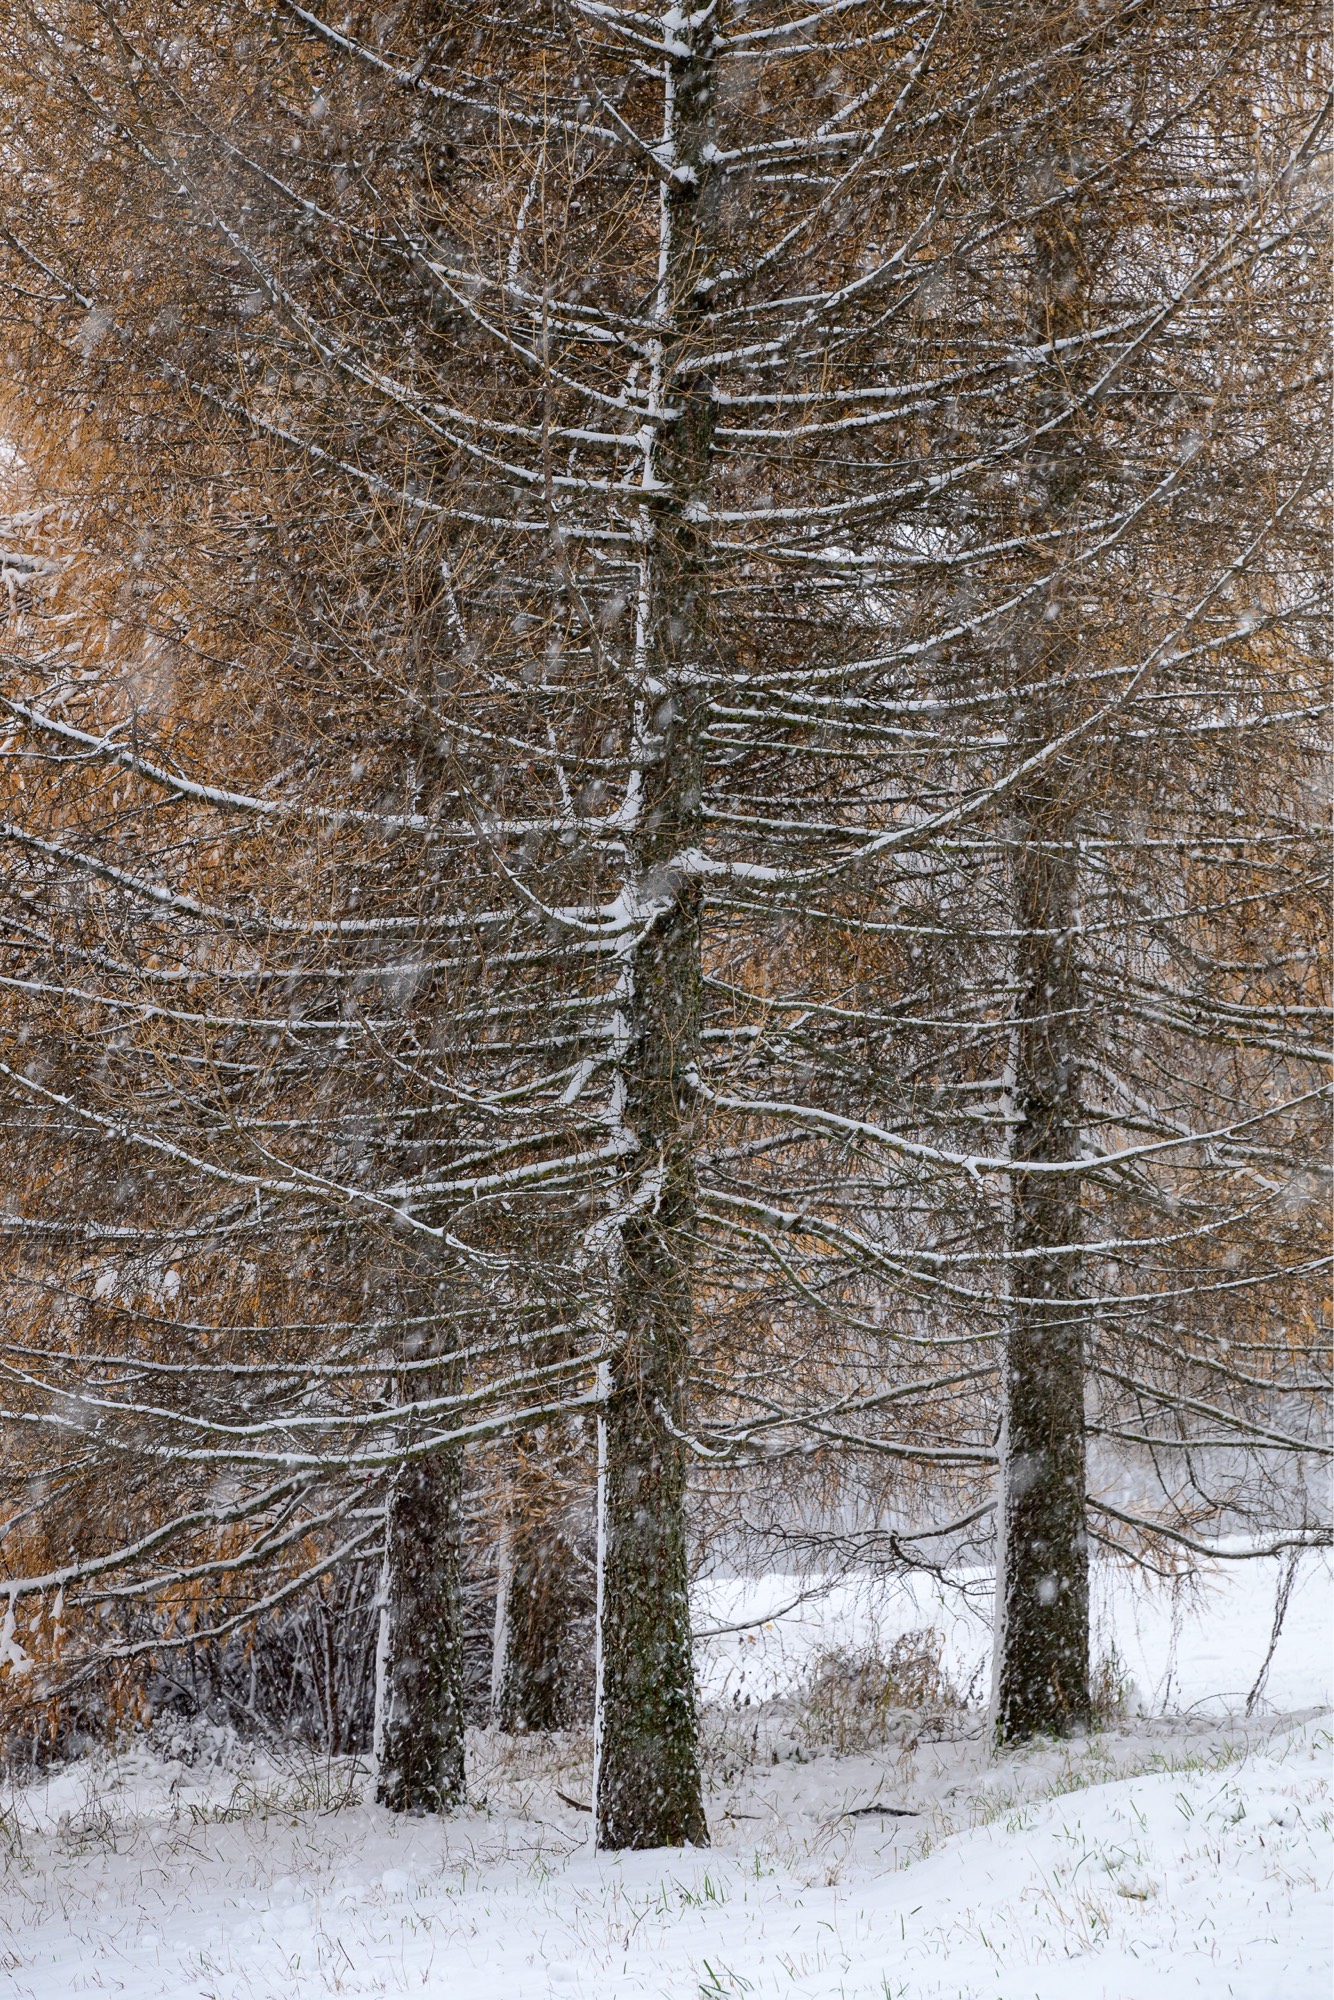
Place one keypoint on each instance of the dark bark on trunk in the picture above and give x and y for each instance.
(421, 1756)
(544, 1601)
(1043, 1678)
(649, 1790)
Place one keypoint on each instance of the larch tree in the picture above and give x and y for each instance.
(1140, 595)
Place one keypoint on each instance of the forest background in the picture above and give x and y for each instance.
(665, 888)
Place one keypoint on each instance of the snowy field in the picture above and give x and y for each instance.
(1196, 1649)
(1184, 1850)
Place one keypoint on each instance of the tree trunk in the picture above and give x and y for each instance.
(648, 1786)
(1042, 1683)
(533, 1695)
(648, 1780)
(1042, 1640)
(543, 1599)
(421, 1754)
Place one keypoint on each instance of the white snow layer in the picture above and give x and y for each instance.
(1197, 1646)
(1176, 1854)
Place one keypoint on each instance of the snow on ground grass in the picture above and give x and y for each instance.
(1168, 1855)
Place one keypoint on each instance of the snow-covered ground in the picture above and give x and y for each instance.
(1196, 1647)
(1181, 1853)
